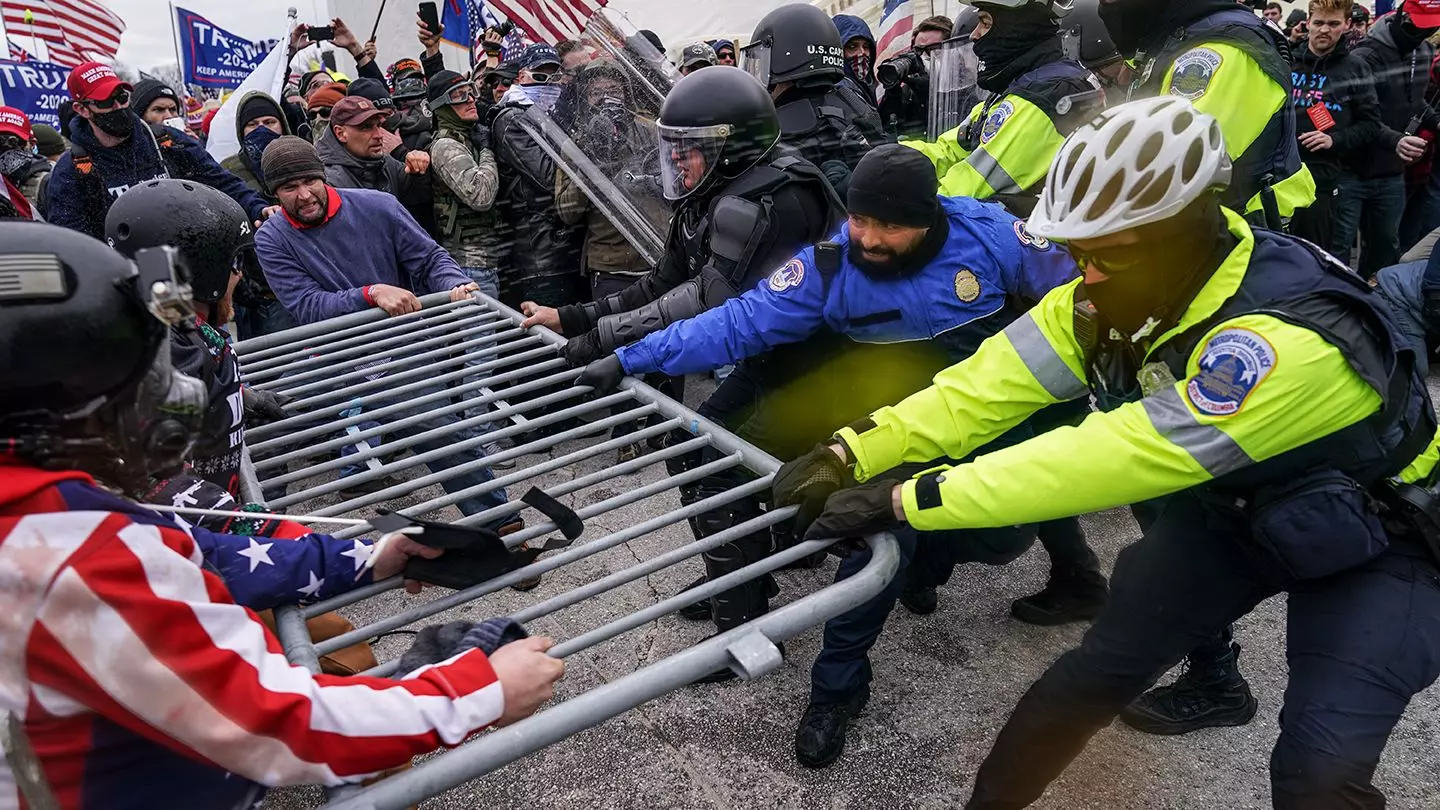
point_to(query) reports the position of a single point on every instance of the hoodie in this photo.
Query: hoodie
(1343, 86)
(1402, 72)
(861, 76)
(81, 201)
(238, 164)
(384, 173)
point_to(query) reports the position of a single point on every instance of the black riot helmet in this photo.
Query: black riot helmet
(84, 384)
(794, 43)
(715, 123)
(1087, 40)
(211, 231)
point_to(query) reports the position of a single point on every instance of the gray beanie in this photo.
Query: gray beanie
(290, 158)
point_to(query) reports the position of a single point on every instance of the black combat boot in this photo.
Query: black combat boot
(1210, 693)
(1071, 595)
(820, 739)
(919, 599)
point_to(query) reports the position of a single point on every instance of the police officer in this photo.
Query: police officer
(1207, 344)
(796, 52)
(745, 204)
(1236, 67)
(1006, 145)
(914, 284)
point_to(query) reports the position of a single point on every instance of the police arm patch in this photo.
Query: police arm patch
(1232, 366)
(1193, 73)
(788, 276)
(995, 120)
(1028, 239)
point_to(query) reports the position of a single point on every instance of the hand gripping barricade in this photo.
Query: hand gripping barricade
(365, 380)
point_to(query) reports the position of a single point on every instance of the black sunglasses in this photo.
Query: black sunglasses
(119, 99)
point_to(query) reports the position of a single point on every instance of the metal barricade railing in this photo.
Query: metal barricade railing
(467, 366)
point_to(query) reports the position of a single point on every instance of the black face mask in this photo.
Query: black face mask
(903, 265)
(115, 123)
(1016, 32)
(1408, 36)
(1129, 23)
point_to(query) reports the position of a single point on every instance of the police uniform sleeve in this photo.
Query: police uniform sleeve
(1422, 468)
(1035, 362)
(1018, 142)
(1252, 398)
(946, 151)
(786, 307)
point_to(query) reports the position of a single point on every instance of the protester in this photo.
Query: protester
(859, 45)
(408, 89)
(49, 142)
(353, 149)
(1359, 25)
(26, 170)
(1273, 12)
(905, 97)
(1373, 204)
(724, 51)
(155, 101)
(318, 104)
(113, 149)
(573, 56)
(1337, 117)
(695, 57)
(467, 181)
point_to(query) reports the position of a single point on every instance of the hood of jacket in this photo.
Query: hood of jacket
(851, 27)
(240, 125)
(370, 172)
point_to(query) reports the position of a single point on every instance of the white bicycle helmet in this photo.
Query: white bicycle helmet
(1135, 164)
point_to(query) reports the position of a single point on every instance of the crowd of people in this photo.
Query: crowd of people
(1068, 301)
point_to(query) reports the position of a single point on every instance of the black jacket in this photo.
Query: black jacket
(831, 126)
(1402, 73)
(1343, 85)
(547, 246)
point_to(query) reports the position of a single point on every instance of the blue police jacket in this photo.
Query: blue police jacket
(988, 261)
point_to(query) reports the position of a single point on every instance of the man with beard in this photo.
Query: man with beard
(1006, 145)
(913, 283)
(1208, 346)
(113, 149)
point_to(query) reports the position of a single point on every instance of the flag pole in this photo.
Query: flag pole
(378, 15)
(175, 39)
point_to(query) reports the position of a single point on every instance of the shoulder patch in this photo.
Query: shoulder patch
(788, 276)
(1193, 72)
(967, 286)
(1232, 366)
(995, 120)
(1028, 239)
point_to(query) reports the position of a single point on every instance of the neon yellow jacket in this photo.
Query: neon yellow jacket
(1159, 445)
(1017, 145)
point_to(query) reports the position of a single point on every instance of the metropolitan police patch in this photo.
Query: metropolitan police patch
(1029, 239)
(788, 276)
(967, 286)
(1232, 366)
(1193, 72)
(996, 119)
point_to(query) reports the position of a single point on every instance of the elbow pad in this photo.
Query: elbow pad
(693, 297)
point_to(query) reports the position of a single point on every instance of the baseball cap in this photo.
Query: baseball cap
(352, 111)
(93, 81)
(1424, 13)
(541, 54)
(15, 122)
(697, 53)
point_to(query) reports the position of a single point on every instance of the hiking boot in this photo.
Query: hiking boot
(700, 611)
(370, 487)
(629, 452)
(919, 600)
(525, 584)
(820, 738)
(728, 674)
(1209, 694)
(1069, 596)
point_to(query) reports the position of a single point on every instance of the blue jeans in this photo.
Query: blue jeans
(489, 281)
(1372, 209)
(1422, 212)
(262, 319)
(926, 560)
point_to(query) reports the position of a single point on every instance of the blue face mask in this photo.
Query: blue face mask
(254, 146)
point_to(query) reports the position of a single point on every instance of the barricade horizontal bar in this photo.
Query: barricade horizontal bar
(305, 348)
(397, 360)
(425, 334)
(332, 326)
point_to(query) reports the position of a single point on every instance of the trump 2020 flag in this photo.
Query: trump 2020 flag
(212, 56)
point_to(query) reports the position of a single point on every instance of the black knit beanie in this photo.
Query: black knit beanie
(895, 184)
(256, 106)
(290, 158)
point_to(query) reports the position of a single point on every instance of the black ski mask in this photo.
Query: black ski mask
(1135, 24)
(1408, 36)
(1005, 53)
(115, 123)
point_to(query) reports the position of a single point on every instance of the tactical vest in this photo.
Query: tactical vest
(1065, 90)
(825, 128)
(1292, 280)
(457, 222)
(1275, 155)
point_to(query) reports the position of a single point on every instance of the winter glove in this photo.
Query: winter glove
(856, 512)
(263, 407)
(440, 642)
(808, 481)
(583, 350)
(480, 137)
(604, 375)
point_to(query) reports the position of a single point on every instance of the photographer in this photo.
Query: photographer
(905, 81)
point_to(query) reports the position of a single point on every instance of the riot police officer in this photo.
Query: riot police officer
(796, 52)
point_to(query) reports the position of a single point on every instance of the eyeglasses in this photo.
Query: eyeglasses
(120, 99)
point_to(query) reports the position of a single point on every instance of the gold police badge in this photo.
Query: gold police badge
(967, 286)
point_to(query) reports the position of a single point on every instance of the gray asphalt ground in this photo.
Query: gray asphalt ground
(944, 685)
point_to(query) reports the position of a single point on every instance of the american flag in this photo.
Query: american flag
(17, 53)
(896, 23)
(549, 21)
(73, 30)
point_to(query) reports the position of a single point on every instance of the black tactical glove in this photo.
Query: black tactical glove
(856, 512)
(604, 375)
(583, 350)
(808, 481)
(263, 407)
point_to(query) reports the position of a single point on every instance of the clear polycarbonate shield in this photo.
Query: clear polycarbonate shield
(688, 155)
(755, 60)
(601, 131)
(954, 85)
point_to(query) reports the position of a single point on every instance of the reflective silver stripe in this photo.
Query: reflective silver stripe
(1043, 361)
(1209, 445)
(992, 172)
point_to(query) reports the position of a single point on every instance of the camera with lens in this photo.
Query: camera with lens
(895, 69)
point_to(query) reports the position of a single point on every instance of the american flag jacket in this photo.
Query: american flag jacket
(130, 649)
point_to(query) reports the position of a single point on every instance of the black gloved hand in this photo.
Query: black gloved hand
(480, 137)
(262, 407)
(604, 375)
(583, 350)
(807, 481)
(856, 512)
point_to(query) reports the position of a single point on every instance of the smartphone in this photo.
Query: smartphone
(320, 33)
(175, 123)
(430, 15)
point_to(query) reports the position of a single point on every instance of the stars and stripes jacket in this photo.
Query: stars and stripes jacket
(130, 650)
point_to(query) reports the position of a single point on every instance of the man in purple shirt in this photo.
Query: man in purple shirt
(337, 251)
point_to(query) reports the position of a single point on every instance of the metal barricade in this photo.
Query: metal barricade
(454, 368)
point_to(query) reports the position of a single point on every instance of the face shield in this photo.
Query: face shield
(755, 59)
(688, 156)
